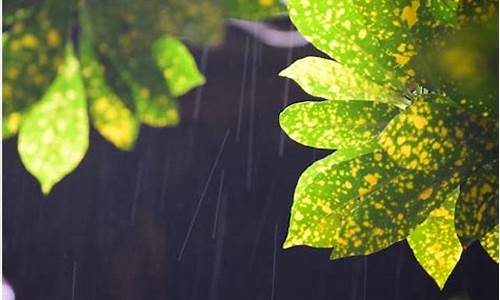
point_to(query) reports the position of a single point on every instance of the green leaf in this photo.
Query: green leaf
(327, 185)
(435, 243)
(426, 136)
(391, 210)
(31, 56)
(159, 111)
(490, 243)
(332, 124)
(55, 134)
(375, 38)
(477, 207)
(109, 115)
(253, 9)
(178, 66)
(328, 79)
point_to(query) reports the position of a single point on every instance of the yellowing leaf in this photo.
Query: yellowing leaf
(328, 79)
(178, 66)
(490, 243)
(435, 243)
(55, 134)
(332, 124)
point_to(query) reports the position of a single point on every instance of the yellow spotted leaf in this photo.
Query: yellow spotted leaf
(426, 136)
(326, 78)
(477, 206)
(54, 137)
(390, 211)
(333, 124)
(377, 39)
(490, 243)
(435, 243)
(330, 185)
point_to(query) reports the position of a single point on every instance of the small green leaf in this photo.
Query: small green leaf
(435, 243)
(159, 111)
(490, 243)
(109, 115)
(55, 134)
(426, 135)
(328, 79)
(328, 186)
(477, 207)
(178, 66)
(332, 124)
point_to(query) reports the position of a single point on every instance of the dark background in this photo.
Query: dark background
(115, 228)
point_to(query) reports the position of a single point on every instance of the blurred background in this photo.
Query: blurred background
(200, 211)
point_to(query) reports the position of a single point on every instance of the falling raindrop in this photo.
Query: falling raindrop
(203, 193)
(243, 88)
(219, 197)
(199, 91)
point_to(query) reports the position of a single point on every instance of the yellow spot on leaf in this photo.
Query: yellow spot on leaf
(426, 194)
(371, 179)
(409, 14)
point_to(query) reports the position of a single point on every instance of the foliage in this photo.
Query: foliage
(129, 67)
(410, 106)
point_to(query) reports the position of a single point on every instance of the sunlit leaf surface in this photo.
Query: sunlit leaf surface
(435, 243)
(31, 56)
(490, 243)
(477, 207)
(55, 134)
(178, 66)
(327, 185)
(391, 209)
(424, 57)
(328, 79)
(426, 136)
(377, 39)
(331, 124)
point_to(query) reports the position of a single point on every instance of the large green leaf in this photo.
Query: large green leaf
(332, 124)
(426, 136)
(377, 39)
(328, 79)
(55, 134)
(109, 115)
(31, 56)
(477, 207)
(435, 243)
(391, 210)
(178, 66)
(328, 185)
(490, 243)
